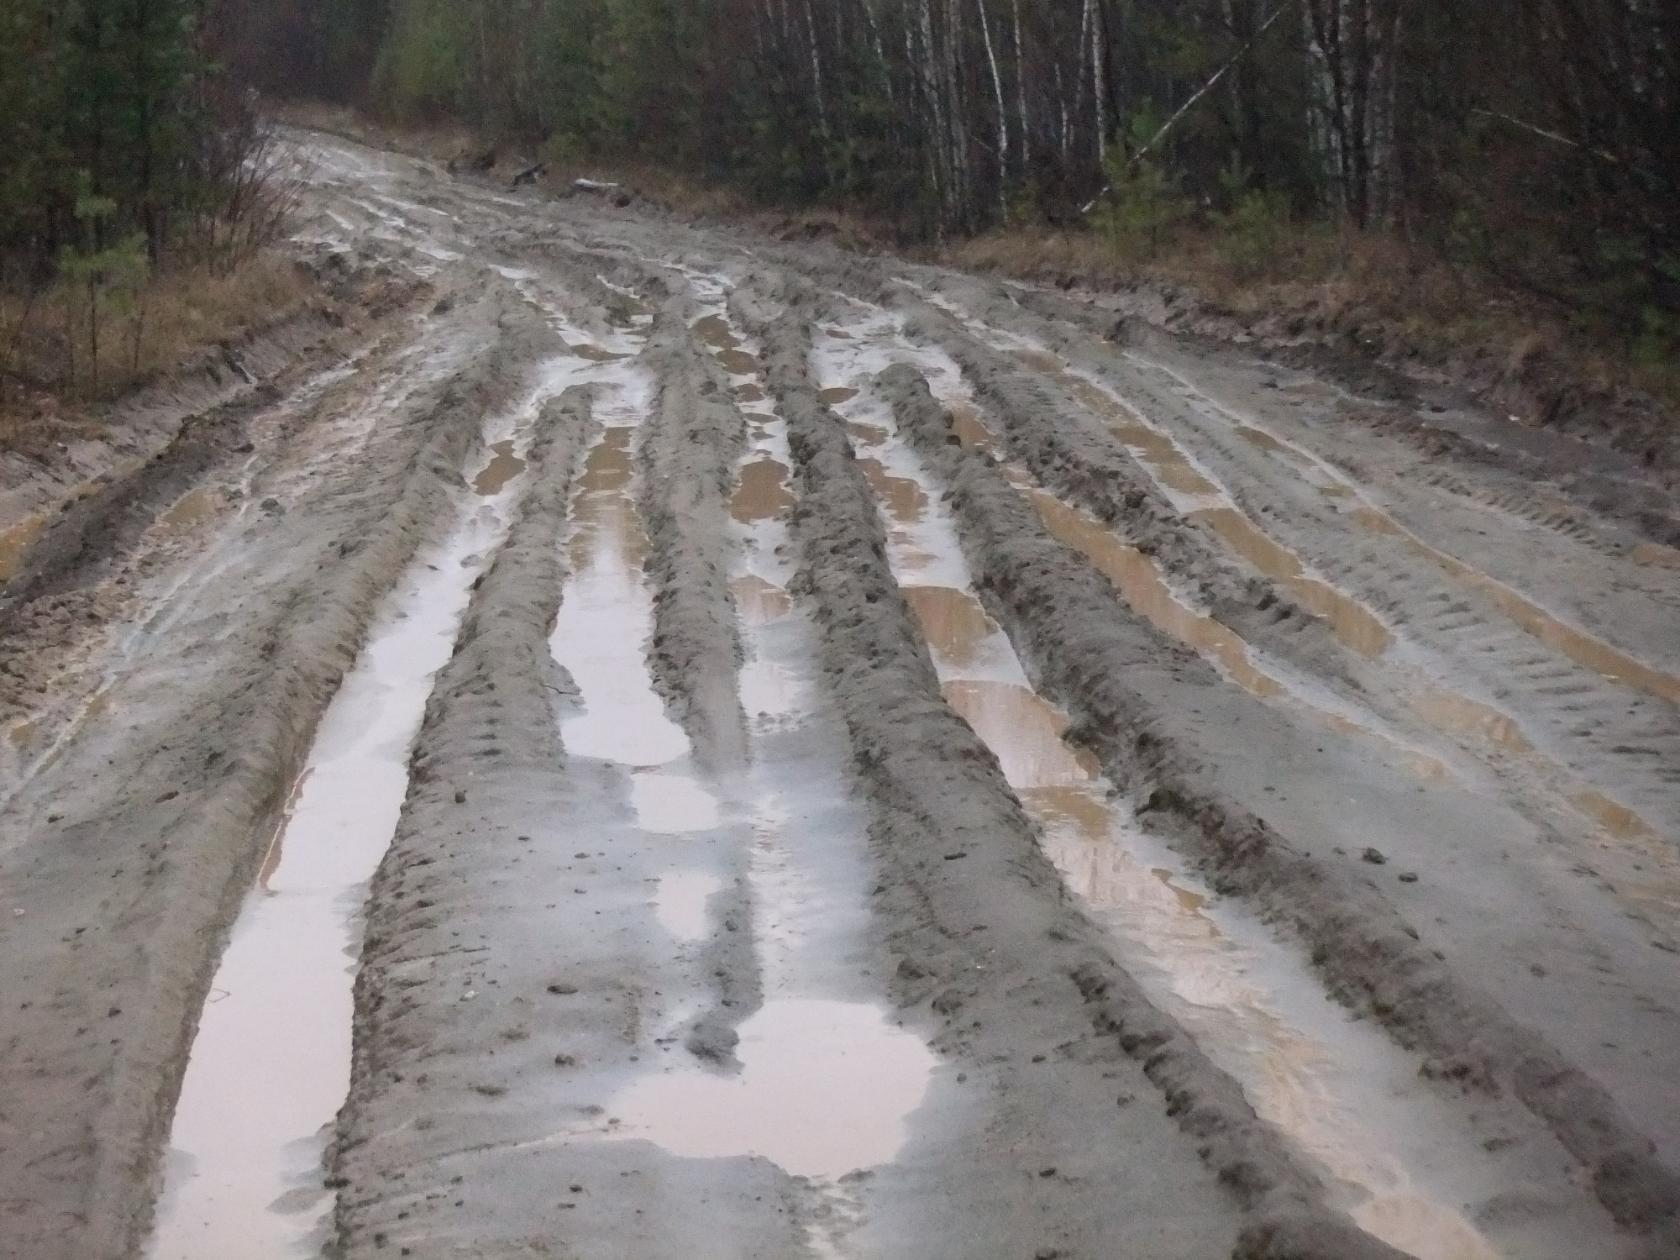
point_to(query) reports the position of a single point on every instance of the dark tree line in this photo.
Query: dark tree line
(1538, 137)
(117, 135)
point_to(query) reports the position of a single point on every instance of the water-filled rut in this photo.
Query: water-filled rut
(1396, 1160)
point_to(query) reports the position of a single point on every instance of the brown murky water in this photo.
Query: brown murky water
(1354, 624)
(715, 331)
(1140, 581)
(837, 395)
(1460, 715)
(503, 467)
(1655, 555)
(905, 500)
(737, 362)
(1584, 649)
(952, 621)
(191, 510)
(603, 505)
(1250, 1004)
(763, 493)
(16, 542)
(594, 353)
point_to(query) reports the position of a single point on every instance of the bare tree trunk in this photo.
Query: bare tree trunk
(1002, 112)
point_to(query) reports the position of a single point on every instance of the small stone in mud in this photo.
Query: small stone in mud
(460, 796)
(1408, 877)
(1374, 856)
(562, 990)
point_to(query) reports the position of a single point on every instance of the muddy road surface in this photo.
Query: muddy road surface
(651, 741)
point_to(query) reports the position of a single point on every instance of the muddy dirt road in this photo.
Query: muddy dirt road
(659, 742)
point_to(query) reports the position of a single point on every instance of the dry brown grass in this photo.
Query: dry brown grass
(1326, 283)
(47, 377)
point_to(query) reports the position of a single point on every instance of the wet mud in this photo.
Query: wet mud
(854, 760)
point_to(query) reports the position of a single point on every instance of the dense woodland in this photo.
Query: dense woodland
(1534, 139)
(1539, 139)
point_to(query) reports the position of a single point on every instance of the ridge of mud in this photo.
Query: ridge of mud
(1410, 400)
(934, 788)
(1369, 955)
(136, 428)
(492, 717)
(1073, 454)
(688, 452)
(213, 799)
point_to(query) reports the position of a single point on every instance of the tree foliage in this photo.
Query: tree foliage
(1537, 136)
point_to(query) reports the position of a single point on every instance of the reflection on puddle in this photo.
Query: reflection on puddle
(1584, 649)
(1023, 730)
(270, 1064)
(824, 1090)
(16, 542)
(770, 691)
(1335, 1086)
(763, 492)
(758, 601)
(672, 804)
(503, 467)
(953, 622)
(681, 903)
(604, 622)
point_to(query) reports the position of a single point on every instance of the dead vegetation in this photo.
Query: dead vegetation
(1365, 291)
(51, 380)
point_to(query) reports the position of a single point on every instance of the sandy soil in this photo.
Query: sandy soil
(813, 756)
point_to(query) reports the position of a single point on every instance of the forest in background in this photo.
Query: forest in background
(1533, 140)
(135, 191)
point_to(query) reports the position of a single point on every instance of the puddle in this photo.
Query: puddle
(192, 510)
(763, 492)
(1463, 716)
(672, 804)
(905, 500)
(594, 353)
(681, 904)
(274, 1040)
(1345, 1094)
(957, 629)
(1202, 499)
(827, 1083)
(866, 435)
(606, 619)
(1353, 623)
(737, 362)
(836, 395)
(1584, 649)
(825, 1089)
(1023, 730)
(503, 467)
(1145, 589)
(16, 542)
(757, 601)
(1656, 555)
(714, 330)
